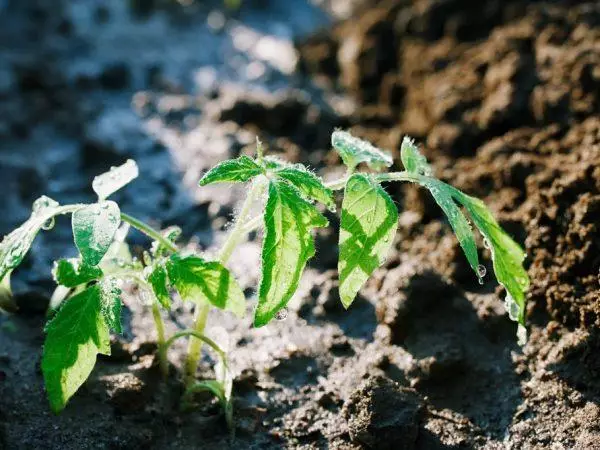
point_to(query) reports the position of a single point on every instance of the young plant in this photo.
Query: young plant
(87, 304)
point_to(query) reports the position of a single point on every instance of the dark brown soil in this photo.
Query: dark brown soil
(505, 98)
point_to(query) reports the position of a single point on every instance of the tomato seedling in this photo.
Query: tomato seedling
(87, 305)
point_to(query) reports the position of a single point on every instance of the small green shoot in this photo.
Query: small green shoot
(87, 303)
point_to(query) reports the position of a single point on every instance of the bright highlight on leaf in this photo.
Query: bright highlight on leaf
(369, 224)
(355, 151)
(117, 177)
(15, 245)
(234, 170)
(197, 280)
(287, 246)
(94, 227)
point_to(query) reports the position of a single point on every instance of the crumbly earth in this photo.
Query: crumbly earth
(504, 97)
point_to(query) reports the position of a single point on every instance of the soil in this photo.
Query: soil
(504, 97)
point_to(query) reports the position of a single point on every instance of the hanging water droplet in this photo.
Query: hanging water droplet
(511, 307)
(282, 314)
(48, 224)
(481, 271)
(486, 243)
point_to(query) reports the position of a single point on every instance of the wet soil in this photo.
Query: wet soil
(504, 97)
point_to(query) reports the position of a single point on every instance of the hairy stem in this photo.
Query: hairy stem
(160, 331)
(194, 350)
(195, 345)
(149, 231)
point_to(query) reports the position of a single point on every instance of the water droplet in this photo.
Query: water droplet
(42, 204)
(386, 239)
(486, 243)
(282, 314)
(48, 224)
(481, 271)
(511, 307)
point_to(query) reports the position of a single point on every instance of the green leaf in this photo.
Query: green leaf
(116, 178)
(507, 255)
(74, 337)
(287, 246)
(15, 245)
(198, 280)
(159, 282)
(412, 159)
(110, 298)
(310, 185)
(368, 226)
(355, 151)
(234, 170)
(73, 272)
(443, 196)
(94, 227)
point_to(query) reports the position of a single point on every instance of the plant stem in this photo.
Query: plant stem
(160, 331)
(201, 315)
(238, 229)
(195, 345)
(149, 231)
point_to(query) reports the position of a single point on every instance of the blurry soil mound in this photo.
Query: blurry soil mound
(505, 97)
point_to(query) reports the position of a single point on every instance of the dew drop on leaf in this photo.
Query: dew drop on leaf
(511, 307)
(282, 314)
(486, 243)
(42, 204)
(481, 271)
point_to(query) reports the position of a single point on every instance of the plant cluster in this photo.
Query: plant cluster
(86, 306)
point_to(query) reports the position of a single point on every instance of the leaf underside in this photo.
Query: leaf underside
(94, 227)
(287, 246)
(368, 226)
(203, 281)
